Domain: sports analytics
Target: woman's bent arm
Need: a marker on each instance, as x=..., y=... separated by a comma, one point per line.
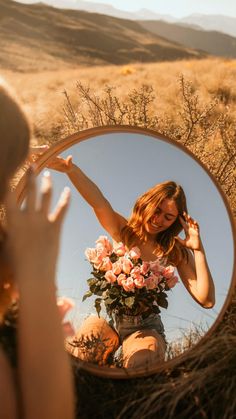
x=195, y=273
x=197, y=278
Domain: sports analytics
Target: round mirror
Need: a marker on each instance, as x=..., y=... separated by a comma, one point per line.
x=124, y=162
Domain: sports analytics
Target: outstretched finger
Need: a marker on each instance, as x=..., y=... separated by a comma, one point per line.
x=46, y=189
x=61, y=208
x=188, y=219
x=196, y=225
x=69, y=159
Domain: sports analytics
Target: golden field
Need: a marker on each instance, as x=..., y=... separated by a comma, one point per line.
x=43, y=98
x=191, y=101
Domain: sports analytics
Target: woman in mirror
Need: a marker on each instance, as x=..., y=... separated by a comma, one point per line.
x=36, y=382
x=157, y=218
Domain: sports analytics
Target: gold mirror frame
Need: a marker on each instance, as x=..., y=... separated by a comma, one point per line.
x=63, y=145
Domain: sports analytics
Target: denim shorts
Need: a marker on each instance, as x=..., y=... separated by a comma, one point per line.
x=125, y=325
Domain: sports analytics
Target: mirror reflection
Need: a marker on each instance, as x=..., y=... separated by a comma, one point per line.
x=132, y=189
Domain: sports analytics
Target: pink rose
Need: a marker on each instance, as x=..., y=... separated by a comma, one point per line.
x=117, y=267
x=97, y=265
x=121, y=278
x=135, y=272
x=110, y=277
x=135, y=253
x=152, y=282
x=101, y=250
x=172, y=281
x=144, y=268
x=127, y=265
x=105, y=243
x=97, y=262
x=106, y=264
x=90, y=254
x=138, y=278
x=155, y=266
x=128, y=284
x=139, y=281
x=168, y=271
x=119, y=249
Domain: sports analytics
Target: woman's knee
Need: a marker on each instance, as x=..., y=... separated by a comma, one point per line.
x=95, y=340
x=143, y=348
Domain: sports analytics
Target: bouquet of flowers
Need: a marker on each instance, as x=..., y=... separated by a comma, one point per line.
x=124, y=282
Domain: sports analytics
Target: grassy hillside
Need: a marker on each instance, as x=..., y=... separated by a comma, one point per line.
x=212, y=42
x=38, y=37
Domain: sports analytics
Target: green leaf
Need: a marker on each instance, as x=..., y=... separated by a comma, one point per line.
x=104, y=284
x=113, y=257
x=115, y=291
x=162, y=300
x=114, y=304
x=109, y=301
x=97, y=305
x=97, y=290
x=155, y=309
x=86, y=295
x=105, y=293
x=91, y=281
x=92, y=288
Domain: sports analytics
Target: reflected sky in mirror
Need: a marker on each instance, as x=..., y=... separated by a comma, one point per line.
x=124, y=166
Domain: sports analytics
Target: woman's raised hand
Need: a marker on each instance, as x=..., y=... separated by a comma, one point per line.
x=33, y=232
x=60, y=164
x=192, y=236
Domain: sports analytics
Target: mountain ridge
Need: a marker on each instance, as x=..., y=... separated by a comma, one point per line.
x=39, y=37
x=213, y=42
x=220, y=23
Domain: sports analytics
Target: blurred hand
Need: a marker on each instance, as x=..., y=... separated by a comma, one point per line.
x=60, y=164
x=33, y=233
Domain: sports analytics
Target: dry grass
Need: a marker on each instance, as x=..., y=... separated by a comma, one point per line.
x=202, y=386
x=193, y=102
x=42, y=93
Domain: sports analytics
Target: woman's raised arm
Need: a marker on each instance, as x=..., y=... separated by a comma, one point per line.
x=110, y=220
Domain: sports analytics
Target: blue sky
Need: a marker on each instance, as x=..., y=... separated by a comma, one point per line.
x=124, y=166
x=176, y=8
